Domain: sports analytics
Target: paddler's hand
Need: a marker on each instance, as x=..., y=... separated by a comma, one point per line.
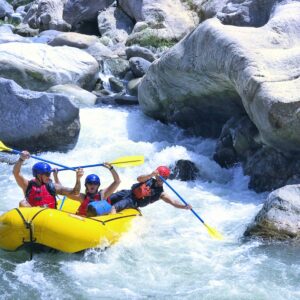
x=108, y=166
x=79, y=173
x=188, y=206
x=24, y=155
x=154, y=174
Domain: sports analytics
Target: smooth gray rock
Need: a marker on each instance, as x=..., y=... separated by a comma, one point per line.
x=39, y=66
x=45, y=37
x=137, y=51
x=76, y=11
x=219, y=71
x=89, y=43
x=79, y=96
x=165, y=20
x=279, y=217
x=7, y=36
x=5, y=8
x=115, y=24
x=139, y=66
x=36, y=120
x=47, y=14
x=133, y=85
x=247, y=12
x=116, y=85
x=118, y=67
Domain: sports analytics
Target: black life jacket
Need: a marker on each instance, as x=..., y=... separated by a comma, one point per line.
x=146, y=192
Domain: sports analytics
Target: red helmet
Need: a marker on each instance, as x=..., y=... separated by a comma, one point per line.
x=164, y=171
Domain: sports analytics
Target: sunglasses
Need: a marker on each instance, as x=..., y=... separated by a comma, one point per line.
x=47, y=174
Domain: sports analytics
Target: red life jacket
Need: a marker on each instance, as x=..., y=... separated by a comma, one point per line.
x=41, y=195
x=82, y=210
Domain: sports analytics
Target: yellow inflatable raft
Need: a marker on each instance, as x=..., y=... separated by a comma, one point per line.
x=62, y=230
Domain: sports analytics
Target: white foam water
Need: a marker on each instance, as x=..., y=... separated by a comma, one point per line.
x=168, y=254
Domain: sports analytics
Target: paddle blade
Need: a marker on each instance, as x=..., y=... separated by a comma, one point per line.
x=214, y=233
x=128, y=161
x=4, y=148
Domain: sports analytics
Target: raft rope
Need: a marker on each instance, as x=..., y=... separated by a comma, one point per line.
x=121, y=217
x=28, y=225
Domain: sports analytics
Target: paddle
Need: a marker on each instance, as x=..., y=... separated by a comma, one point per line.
x=5, y=148
x=121, y=162
x=212, y=232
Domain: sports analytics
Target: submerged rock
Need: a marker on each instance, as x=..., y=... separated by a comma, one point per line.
x=184, y=170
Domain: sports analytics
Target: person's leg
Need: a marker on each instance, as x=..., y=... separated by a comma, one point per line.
x=122, y=204
x=118, y=196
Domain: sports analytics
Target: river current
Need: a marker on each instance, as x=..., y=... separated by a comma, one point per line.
x=168, y=253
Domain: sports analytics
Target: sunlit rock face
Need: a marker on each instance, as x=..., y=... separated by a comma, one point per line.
x=279, y=218
x=38, y=66
x=219, y=71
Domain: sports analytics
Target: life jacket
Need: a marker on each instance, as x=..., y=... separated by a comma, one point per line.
x=146, y=192
x=82, y=210
x=41, y=195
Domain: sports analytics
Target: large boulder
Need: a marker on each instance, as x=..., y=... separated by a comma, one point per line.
x=47, y=14
x=279, y=217
x=115, y=24
x=76, y=11
x=220, y=71
x=89, y=43
x=7, y=36
x=246, y=13
x=164, y=21
x=5, y=9
x=37, y=120
x=39, y=66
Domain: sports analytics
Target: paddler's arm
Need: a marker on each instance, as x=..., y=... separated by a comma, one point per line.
x=165, y=197
x=144, y=178
x=110, y=189
x=21, y=181
x=73, y=193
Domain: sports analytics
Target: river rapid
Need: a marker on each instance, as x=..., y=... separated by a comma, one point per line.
x=168, y=254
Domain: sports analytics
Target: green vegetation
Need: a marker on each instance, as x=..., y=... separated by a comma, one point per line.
x=156, y=41
x=151, y=37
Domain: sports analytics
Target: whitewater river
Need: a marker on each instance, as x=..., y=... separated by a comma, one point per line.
x=168, y=253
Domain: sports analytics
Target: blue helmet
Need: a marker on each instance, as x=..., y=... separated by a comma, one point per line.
x=40, y=168
x=92, y=178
